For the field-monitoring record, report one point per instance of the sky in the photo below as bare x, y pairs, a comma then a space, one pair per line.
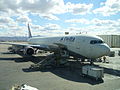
55, 17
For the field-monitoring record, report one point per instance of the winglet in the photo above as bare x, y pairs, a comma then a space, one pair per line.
29, 31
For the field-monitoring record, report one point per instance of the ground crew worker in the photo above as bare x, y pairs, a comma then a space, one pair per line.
104, 59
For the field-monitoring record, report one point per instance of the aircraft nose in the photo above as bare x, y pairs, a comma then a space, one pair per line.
106, 49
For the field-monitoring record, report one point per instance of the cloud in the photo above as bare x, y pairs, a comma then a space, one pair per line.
2, 27
77, 9
83, 21
110, 7
5, 20
51, 27
36, 6
50, 17
95, 26
23, 10
101, 22
36, 27
46, 8
59, 7
23, 19
41, 6
6, 5
95, 21
9, 27
104, 26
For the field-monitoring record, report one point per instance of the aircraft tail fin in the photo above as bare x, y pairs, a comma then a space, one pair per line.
29, 31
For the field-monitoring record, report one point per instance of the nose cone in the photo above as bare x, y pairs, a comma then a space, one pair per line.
105, 49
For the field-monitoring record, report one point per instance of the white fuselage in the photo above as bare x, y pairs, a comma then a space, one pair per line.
84, 45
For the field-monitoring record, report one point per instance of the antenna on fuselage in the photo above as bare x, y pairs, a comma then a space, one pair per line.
29, 31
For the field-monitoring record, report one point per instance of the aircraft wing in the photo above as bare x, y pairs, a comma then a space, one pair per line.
17, 44
41, 47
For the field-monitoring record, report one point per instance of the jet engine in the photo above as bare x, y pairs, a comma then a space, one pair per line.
64, 53
29, 51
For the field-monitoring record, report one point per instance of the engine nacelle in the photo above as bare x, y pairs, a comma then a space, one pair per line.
64, 53
29, 51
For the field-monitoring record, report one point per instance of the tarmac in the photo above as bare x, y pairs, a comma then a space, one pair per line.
14, 70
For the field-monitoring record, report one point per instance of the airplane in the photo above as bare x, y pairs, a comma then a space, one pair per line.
78, 46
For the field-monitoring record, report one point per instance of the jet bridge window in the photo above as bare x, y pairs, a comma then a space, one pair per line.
96, 42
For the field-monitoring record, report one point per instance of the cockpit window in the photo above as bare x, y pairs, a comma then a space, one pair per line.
96, 42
